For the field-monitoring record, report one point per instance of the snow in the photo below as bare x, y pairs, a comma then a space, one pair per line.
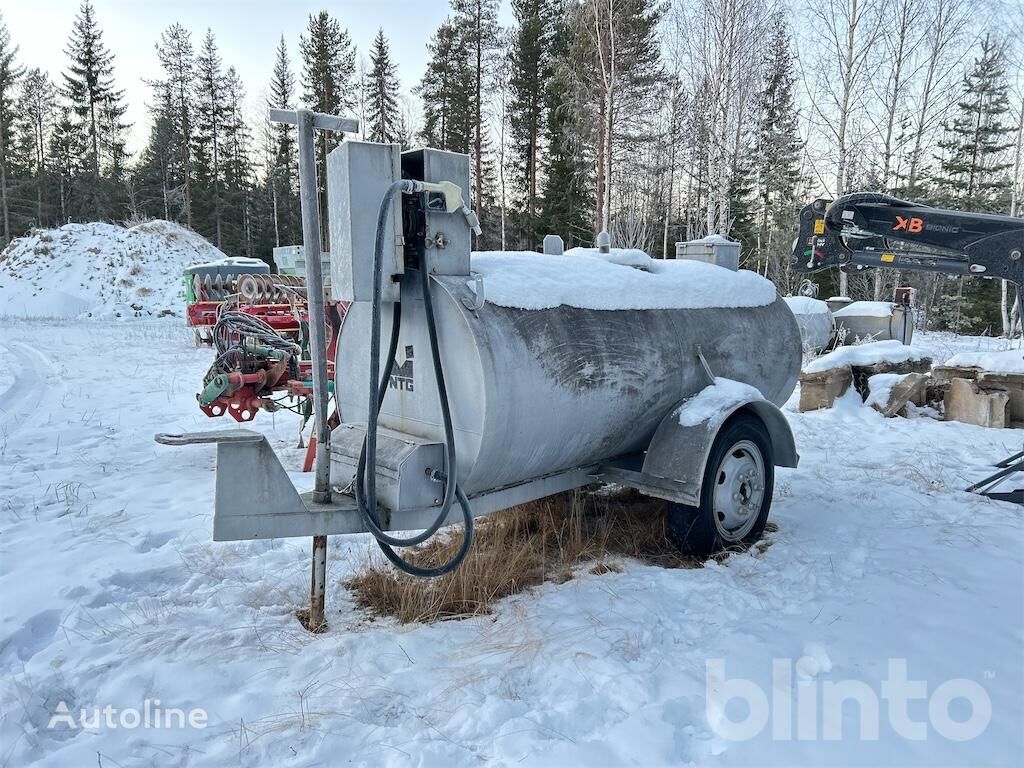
99, 269
880, 388
716, 400
872, 353
715, 239
530, 280
626, 257
1007, 361
112, 592
805, 305
866, 309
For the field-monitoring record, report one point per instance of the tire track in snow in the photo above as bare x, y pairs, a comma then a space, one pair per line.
31, 370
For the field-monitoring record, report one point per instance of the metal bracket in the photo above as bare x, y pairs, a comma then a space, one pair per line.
255, 498
704, 364
478, 289
320, 120
213, 436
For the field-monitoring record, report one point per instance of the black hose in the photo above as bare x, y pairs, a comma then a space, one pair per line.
365, 480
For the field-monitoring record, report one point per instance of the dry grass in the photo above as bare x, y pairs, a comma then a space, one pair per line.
519, 548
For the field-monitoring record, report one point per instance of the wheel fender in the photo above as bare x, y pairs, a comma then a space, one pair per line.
682, 442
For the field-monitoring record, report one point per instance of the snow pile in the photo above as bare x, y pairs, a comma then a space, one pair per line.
1008, 361
626, 257
873, 353
530, 280
716, 400
866, 309
93, 268
805, 305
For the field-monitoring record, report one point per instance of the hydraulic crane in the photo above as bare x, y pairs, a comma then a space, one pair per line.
868, 229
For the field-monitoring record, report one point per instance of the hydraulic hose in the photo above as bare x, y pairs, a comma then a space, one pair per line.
365, 480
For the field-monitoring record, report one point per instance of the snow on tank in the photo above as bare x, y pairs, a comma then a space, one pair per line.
619, 280
814, 319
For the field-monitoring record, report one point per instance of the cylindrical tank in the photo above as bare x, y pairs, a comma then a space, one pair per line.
815, 321
874, 320
538, 391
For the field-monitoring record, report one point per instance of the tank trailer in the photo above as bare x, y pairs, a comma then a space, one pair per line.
467, 383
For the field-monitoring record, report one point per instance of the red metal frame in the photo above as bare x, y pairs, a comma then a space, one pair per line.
203, 314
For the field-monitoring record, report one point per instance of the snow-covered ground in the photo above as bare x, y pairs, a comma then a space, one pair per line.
113, 594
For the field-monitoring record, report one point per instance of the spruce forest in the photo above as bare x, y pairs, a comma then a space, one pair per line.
656, 120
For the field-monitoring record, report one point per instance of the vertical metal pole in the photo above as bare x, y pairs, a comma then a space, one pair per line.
318, 587
310, 200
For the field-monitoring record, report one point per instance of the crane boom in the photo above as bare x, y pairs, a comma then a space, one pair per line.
869, 229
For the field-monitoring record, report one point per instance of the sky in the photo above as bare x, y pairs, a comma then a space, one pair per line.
247, 33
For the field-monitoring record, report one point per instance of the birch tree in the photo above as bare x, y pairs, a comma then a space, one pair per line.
847, 33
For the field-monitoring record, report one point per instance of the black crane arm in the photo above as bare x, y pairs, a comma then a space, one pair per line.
869, 229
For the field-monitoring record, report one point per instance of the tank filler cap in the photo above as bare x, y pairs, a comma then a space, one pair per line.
604, 242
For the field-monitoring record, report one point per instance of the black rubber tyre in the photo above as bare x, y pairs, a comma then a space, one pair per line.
736, 494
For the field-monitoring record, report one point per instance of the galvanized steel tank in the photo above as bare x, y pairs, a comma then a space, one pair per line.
537, 391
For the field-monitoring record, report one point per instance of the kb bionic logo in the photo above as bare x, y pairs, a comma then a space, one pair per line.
738, 709
401, 374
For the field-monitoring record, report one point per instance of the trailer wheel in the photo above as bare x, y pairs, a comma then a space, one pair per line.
736, 494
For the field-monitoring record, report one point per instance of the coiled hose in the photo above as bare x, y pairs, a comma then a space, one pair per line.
366, 480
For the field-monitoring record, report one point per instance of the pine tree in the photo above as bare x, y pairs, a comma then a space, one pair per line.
173, 117
382, 93
975, 173
96, 105
479, 21
9, 74
446, 90
210, 95
282, 175
976, 162
157, 175
530, 65
36, 107
567, 199
776, 157
617, 65
237, 169
328, 72
63, 157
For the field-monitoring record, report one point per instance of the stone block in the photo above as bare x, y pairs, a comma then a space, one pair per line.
973, 403
909, 389
821, 389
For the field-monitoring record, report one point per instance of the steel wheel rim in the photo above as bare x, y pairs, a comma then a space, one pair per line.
739, 490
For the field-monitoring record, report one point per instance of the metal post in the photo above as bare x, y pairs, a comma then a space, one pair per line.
309, 198
318, 587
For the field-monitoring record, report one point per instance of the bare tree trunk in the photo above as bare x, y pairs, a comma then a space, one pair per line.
3, 183
478, 135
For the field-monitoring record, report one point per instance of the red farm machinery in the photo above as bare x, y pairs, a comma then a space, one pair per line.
258, 326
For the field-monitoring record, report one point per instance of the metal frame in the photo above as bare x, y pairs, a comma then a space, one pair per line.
1008, 466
